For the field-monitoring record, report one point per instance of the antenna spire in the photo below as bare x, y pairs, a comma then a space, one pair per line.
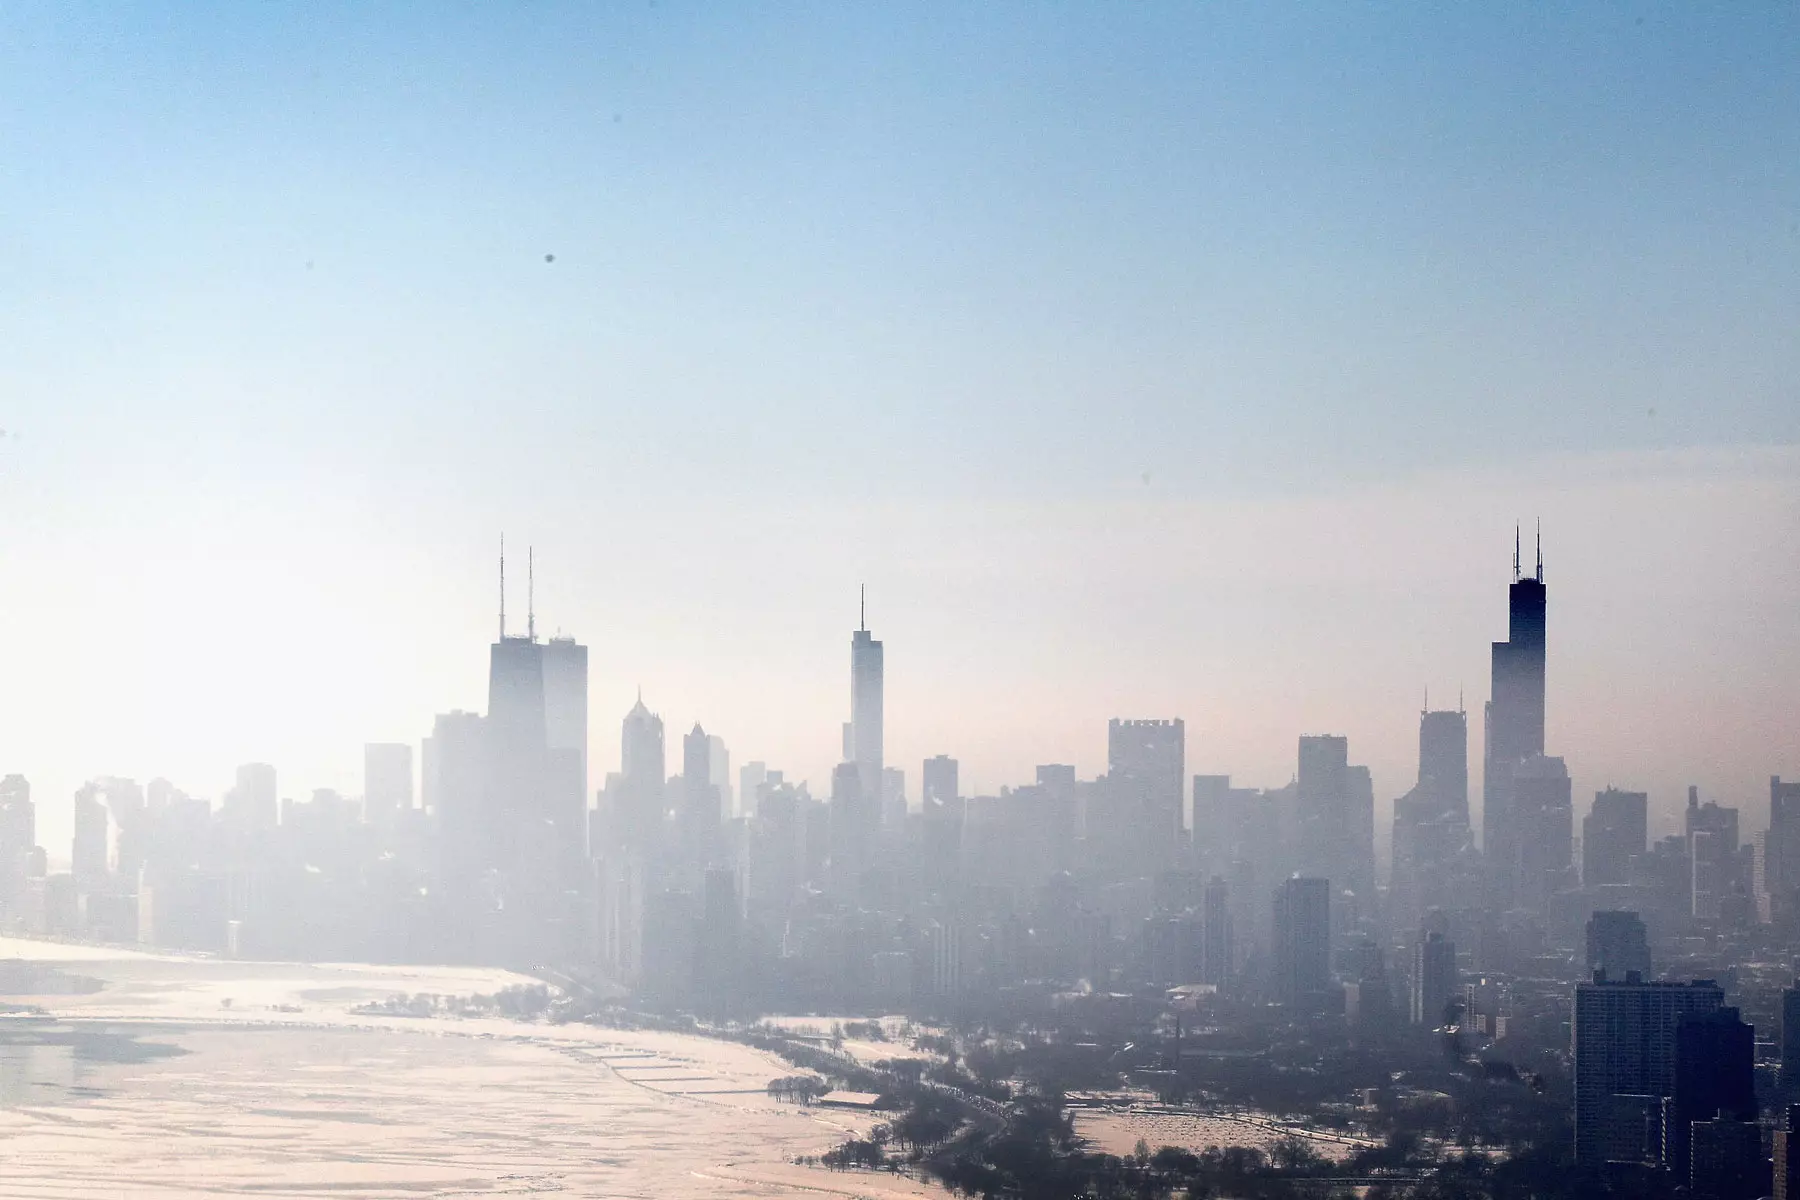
862, 607
531, 593
503, 587
1515, 552
1540, 550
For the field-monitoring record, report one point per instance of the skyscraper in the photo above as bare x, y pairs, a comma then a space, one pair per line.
700, 810
1617, 946
939, 782
1543, 830
1615, 831
851, 833
1515, 722
387, 782
1302, 957
1435, 982
1148, 760
1781, 855
866, 715
536, 804
1715, 1076
1431, 840
566, 737
88, 850
455, 784
1790, 1044
252, 805
643, 774
1719, 874
1217, 954
1335, 811
1625, 1064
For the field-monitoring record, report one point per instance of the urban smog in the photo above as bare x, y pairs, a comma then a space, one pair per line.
1328, 478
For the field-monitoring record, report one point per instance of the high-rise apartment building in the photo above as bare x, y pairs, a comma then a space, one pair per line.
1515, 723
1302, 944
1615, 831
1624, 1044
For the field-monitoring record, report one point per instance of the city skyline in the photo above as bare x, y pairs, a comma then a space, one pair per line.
1392, 776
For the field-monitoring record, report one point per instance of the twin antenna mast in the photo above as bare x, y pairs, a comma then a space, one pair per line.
1517, 559
530, 591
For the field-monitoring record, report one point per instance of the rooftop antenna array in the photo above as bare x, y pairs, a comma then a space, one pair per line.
530, 593
503, 587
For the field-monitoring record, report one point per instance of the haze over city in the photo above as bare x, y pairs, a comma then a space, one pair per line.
1310, 494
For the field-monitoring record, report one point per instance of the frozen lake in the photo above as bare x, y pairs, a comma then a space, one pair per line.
196, 1078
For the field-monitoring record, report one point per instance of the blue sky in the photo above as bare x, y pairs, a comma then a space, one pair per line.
275, 276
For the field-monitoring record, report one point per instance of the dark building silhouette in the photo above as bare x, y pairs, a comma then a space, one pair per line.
1218, 963
1302, 944
1615, 831
1715, 1076
1617, 946
1515, 723
1435, 981
1624, 1046
1790, 1042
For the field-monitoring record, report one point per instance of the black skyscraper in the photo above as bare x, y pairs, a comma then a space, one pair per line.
1715, 1075
1515, 722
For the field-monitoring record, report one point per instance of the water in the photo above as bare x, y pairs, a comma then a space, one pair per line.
196, 1078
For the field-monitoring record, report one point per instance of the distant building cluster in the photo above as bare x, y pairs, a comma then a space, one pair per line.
733, 894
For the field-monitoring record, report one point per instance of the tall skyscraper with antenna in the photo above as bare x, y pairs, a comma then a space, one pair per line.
866, 733
535, 803
1515, 721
